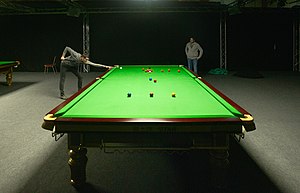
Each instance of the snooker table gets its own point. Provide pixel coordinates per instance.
(6, 67)
(117, 112)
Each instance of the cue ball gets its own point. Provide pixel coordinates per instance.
(121, 68)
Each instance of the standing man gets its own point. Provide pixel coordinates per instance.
(193, 53)
(71, 63)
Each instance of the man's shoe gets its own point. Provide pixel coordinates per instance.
(63, 97)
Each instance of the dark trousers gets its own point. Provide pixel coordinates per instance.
(72, 67)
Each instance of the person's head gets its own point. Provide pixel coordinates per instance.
(192, 39)
(84, 58)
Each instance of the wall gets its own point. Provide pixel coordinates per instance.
(260, 40)
(153, 38)
(36, 39)
(256, 39)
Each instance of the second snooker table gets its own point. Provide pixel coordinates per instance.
(6, 67)
(148, 107)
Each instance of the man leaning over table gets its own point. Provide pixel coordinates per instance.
(70, 61)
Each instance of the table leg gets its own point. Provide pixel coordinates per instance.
(77, 163)
(219, 169)
(9, 77)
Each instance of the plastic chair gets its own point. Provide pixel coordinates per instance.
(52, 65)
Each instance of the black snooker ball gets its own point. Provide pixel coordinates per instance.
(129, 94)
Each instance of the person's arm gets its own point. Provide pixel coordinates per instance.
(69, 50)
(186, 49)
(98, 65)
(66, 50)
(200, 52)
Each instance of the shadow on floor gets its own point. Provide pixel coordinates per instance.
(245, 175)
(5, 89)
(147, 172)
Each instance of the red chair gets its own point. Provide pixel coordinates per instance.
(52, 65)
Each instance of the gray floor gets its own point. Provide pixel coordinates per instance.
(267, 160)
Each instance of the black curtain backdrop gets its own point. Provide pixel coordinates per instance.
(260, 40)
(256, 39)
(36, 39)
(153, 38)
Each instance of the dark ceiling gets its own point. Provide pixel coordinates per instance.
(77, 7)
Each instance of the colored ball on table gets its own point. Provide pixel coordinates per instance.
(129, 94)
(173, 94)
(162, 70)
(150, 79)
(155, 80)
(143, 69)
(178, 70)
(151, 94)
(149, 70)
(169, 70)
